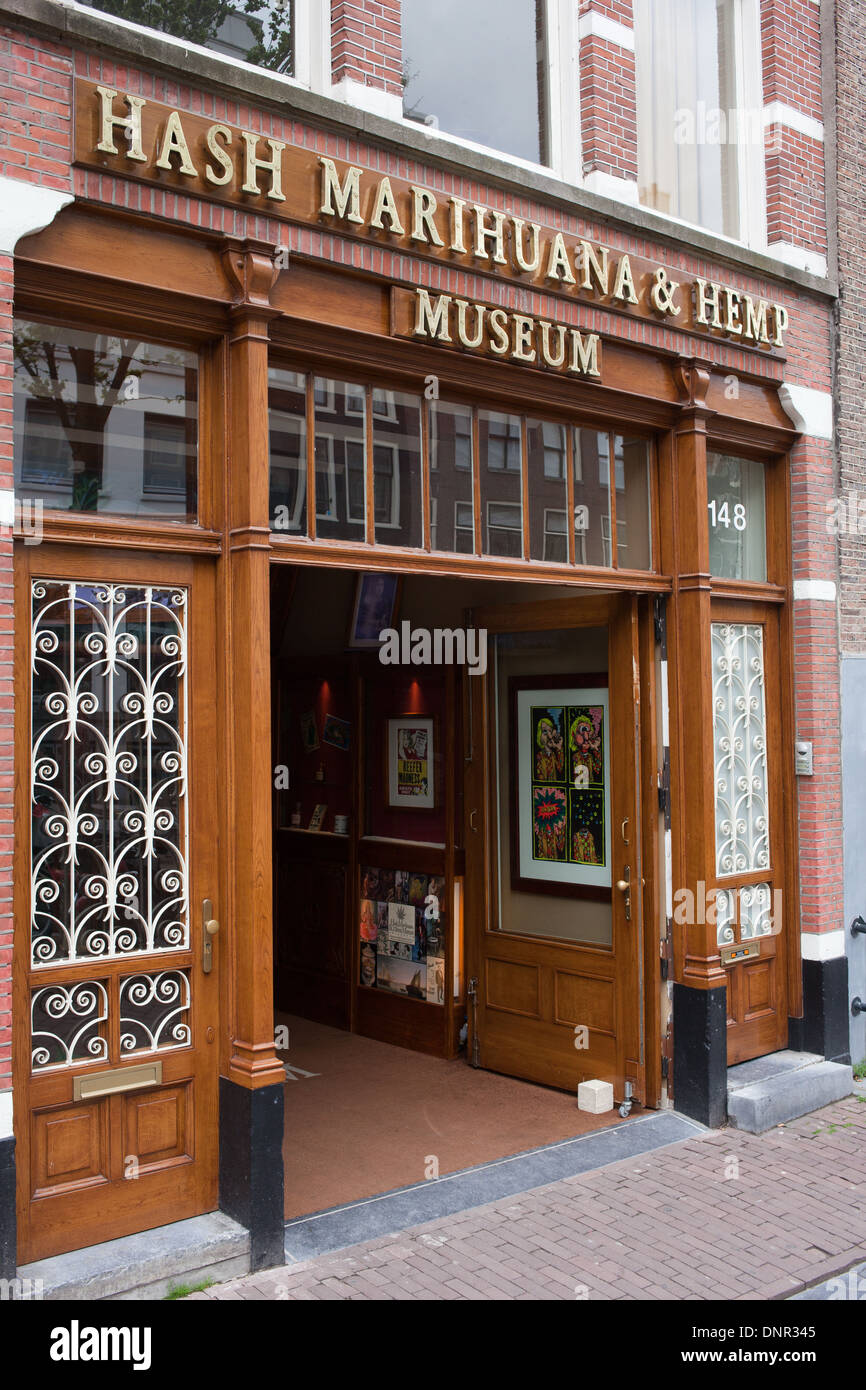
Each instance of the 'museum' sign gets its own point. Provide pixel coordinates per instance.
(147, 140)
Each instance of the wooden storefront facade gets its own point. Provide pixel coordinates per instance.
(330, 260)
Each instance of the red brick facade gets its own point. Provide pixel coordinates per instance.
(851, 387)
(35, 146)
(366, 45)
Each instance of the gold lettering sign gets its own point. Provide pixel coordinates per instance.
(154, 143)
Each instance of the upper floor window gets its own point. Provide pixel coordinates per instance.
(104, 424)
(693, 110)
(479, 71)
(255, 31)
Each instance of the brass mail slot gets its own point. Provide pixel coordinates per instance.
(108, 1083)
(741, 950)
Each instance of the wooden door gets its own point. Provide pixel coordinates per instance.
(116, 1017)
(549, 1006)
(750, 842)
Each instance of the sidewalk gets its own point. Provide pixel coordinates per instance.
(726, 1215)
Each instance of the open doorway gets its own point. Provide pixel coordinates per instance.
(381, 907)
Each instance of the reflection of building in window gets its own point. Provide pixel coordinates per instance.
(459, 86)
(103, 423)
(46, 458)
(356, 497)
(164, 456)
(326, 484)
(505, 529)
(464, 528)
(555, 536)
(503, 443)
(386, 484)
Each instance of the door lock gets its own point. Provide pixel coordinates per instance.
(211, 927)
(624, 886)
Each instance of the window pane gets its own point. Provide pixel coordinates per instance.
(631, 472)
(452, 512)
(546, 450)
(592, 498)
(340, 460)
(456, 54)
(501, 484)
(688, 118)
(287, 424)
(104, 424)
(397, 468)
(737, 518)
(256, 31)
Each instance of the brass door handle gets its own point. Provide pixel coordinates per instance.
(624, 886)
(211, 927)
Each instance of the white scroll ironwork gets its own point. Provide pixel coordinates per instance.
(740, 738)
(109, 775)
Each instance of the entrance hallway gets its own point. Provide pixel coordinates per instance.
(372, 1117)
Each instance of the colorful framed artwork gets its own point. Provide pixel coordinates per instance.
(560, 786)
(377, 595)
(410, 778)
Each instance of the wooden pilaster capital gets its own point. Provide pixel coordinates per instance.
(692, 379)
(251, 269)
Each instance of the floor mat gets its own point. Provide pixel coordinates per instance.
(363, 1117)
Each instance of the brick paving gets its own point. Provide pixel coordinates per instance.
(725, 1215)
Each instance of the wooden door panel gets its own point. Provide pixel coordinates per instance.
(555, 1011)
(757, 1005)
(513, 987)
(127, 942)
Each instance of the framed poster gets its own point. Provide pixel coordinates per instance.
(560, 786)
(410, 778)
(377, 594)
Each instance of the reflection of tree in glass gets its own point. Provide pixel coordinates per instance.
(101, 368)
(199, 21)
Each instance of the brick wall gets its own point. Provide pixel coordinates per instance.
(608, 102)
(851, 379)
(794, 159)
(366, 44)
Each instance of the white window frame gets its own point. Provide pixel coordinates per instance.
(312, 44)
(748, 97)
(563, 100)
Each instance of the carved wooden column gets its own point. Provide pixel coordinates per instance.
(700, 1042)
(251, 1096)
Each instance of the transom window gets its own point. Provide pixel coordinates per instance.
(103, 423)
(497, 483)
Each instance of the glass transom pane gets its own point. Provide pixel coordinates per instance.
(740, 749)
(108, 763)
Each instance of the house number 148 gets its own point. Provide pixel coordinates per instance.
(724, 516)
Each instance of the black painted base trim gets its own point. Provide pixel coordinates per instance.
(700, 1054)
(8, 1223)
(251, 1167)
(825, 1022)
